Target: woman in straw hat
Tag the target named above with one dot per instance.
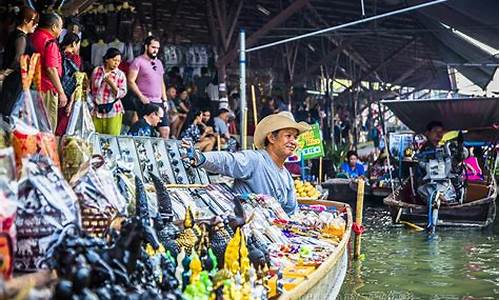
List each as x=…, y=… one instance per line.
x=261, y=171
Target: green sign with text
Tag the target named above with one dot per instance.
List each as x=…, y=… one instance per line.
x=311, y=144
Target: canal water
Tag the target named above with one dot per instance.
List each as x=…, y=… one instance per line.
x=403, y=264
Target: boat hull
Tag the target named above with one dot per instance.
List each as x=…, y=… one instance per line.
x=326, y=281
x=478, y=209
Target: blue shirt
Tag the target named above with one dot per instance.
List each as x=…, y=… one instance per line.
x=142, y=128
x=220, y=126
x=255, y=172
x=359, y=170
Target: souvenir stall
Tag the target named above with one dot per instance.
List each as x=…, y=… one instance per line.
x=101, y=217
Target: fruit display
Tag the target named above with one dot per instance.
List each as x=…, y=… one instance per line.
x=305, y=189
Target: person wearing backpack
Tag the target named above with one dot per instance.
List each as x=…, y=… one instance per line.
x=71, y=63
x=108, y=87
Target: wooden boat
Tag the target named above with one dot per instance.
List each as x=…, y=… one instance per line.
x=325, y=282
x=478, y=117
x=339, y=189
x=478, y=209
x=345, y=190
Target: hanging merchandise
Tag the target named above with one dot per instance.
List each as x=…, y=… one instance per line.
x=79, y=138
x=46, y=204
x=8, y=206
x=98, y=196
x=32, y=132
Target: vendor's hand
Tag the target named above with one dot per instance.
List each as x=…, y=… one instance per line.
x=63, y=100
x=192, y=155
x=144, y=99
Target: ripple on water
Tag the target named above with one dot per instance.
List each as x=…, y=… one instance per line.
x=403, y=264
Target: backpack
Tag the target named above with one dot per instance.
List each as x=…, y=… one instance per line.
x=68, y=79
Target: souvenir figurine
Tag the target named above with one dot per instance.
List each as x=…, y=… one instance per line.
x=256, y=256
x=165, y=213
x=187, y=238
x=219, y=237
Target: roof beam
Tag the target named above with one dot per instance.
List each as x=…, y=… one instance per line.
x=351, y=53
x=381, y=64
x=271, y=24
x=326, y=59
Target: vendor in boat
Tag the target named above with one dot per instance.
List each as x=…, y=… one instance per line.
x=433, y=174
x=352, y=168
x=260, y=171
x=434, y=134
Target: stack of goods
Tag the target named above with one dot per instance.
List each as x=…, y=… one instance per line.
x=295, y=245
x=305, y=189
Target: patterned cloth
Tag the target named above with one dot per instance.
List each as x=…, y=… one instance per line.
x=142, y=128
x=193, y=132
x=103, y=94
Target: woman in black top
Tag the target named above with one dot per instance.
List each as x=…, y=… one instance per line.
x=17, y=45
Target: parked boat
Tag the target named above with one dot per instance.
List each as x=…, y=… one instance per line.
x=326, y=281
x=474, y=117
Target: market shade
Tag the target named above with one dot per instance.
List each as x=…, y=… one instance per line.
x=455, y=114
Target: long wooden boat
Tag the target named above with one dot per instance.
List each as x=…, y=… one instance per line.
x=477, y=210
x=345, y=190
x=478, y=117
x=339, y=189
x=326, y=281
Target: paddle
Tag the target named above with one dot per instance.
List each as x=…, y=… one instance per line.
x=406, y=223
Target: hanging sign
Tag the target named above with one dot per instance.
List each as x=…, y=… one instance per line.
x=311, y=144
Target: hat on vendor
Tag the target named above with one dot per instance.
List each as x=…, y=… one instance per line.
x=275, y=122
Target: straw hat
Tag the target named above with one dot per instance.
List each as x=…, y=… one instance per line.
x=275, y=122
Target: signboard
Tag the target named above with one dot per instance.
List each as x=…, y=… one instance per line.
x=398, y=142
x=311, y=143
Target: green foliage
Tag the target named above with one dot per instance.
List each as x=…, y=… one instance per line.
x=336, y=153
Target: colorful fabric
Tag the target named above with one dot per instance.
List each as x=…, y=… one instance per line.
x=111, y=126
x=45, y=43
x=103, y=94
x=149, y=77
x=473, y=171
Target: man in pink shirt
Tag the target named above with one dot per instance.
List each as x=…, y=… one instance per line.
x=44, y=41
x=145, y=80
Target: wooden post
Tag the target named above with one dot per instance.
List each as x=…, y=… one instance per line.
x=320, y=175
x=254, y=106
x=359, y=216
x=244, y=130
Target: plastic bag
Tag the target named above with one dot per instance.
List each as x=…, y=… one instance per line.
x=46, y=204
x=8, y=206
x=80, y=134
x=32, y=133
x=98, y=195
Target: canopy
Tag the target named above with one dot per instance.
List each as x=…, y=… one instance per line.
x=455, y=114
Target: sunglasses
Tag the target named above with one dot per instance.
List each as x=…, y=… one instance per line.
x=153, y=64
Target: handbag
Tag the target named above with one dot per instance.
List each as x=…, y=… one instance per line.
x=106, y=108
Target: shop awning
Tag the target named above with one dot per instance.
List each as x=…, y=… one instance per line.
x=455, y=114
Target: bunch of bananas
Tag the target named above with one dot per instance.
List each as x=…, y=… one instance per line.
x=306, y=189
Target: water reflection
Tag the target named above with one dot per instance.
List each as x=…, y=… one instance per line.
x=404, y=264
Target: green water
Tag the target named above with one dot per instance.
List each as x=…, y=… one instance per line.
x=403, y=264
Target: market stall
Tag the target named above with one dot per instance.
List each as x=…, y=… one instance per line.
x=101, y=217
